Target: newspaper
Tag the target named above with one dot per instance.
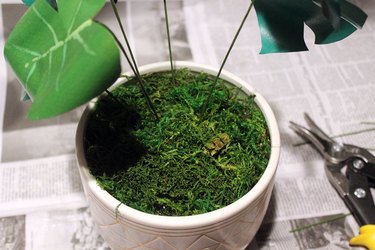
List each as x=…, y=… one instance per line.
x=42, y=205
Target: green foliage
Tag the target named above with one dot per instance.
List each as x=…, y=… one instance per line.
x=281, y=22
x=167, y=168
x=62, y=57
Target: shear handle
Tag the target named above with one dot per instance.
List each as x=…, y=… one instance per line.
x=354, y=191
x=369, y=171
x=360, y=197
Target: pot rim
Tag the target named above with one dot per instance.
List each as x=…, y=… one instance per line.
x=213, y=218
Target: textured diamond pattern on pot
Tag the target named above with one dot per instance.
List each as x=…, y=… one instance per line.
x=234, y=235
x=181, y=244
x=110, y=234
x=160, y=243
x=141, y=238
x=225, y=247
x=223, y=233
x=144, y=248
x=231, y=237
x=243, y=238
x=214, y=247
x=102, y=216
x=204, y=242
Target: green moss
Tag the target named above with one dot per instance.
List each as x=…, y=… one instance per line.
x=180, y=165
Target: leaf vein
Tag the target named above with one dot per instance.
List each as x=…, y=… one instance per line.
x=49, y=66
x=74, y=18
x=47, y=24
x=59, y=44
x=84, y=45
x=26, y=50
x=61, y=66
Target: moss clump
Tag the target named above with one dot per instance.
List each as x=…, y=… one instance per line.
x=179, y=165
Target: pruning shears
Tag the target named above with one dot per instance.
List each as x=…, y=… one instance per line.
x=351, y=171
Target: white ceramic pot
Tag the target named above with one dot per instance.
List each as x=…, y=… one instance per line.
x=231, y=227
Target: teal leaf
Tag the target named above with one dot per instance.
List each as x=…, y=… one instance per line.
x=62, y=58
x=30, y=2
x=281, y=22
x=331, y=10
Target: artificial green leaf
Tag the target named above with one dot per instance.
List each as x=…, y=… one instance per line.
x=281, y=22
x=62, y=57
x=24, y=95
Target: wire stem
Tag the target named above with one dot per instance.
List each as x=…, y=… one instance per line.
x=204, y=109
x=109, y=93
x=133, y=63
x=339, y=136
x=319, y=223
x=169, y=41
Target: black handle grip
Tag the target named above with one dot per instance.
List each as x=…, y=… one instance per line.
x=359, y=199
x=369, y=171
